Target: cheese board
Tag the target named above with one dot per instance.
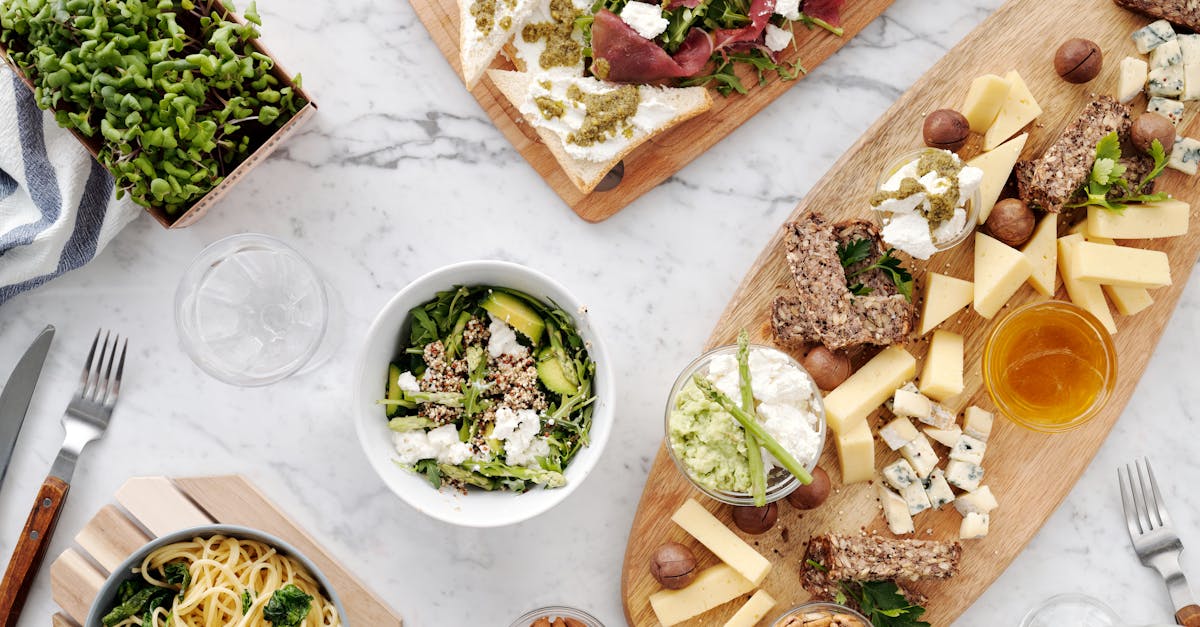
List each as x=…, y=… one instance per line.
x=660, y=158
x=150, y=507
x=1030, y=472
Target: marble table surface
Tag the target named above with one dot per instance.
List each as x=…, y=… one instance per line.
x=400, y=173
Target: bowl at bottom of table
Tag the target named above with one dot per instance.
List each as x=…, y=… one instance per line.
x=386, y=336
x=106, y=599
x=545, y=617
x=819, y=611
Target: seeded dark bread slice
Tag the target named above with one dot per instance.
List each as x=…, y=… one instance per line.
x=687, y=102
x=822, y=309
x=1180, y=12
x=875, y=558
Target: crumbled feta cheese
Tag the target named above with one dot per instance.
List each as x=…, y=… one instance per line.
x=969, y=179
x=777, y=38
x=519, y=430
x=910, y=232
x=441, y=444
x=647, y=19
x=788, y=8
x=908, y=204
x=503, y=339
x=407, y=382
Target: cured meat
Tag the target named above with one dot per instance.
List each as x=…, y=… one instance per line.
x=828, y=11
x=624, y=56
x=675, y=4
x=760, y=14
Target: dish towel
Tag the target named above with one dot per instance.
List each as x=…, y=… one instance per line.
x=57, y=209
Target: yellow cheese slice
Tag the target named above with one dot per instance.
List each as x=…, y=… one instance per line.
x=725, y=544
x=1118, y=265
x=713, y=587
x=997, y=165
x=942, y=376
x=984, y=99
x=999, y=272
x=856, y=452
x=1167, y=218
x=868, y=388
x=944, y=296
x=1042, y=252
x=1129, y=300
x=753, y=611
x=1019, y=109
x=1083, y=293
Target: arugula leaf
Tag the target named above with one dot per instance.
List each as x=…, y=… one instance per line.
x=429, y=468
x=725, y=74
x=288, y=607
x=882, y=602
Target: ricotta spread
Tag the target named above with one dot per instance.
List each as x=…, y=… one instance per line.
x=646, y=19
x=922, y=210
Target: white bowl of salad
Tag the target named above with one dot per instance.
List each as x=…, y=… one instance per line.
x=483, y=395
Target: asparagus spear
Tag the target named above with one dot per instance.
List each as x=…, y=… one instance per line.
x=752, y=426
x=758, y=477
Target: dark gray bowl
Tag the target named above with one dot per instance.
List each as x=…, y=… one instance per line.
x=108, y=592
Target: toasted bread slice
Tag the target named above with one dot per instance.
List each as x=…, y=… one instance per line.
x=477, y=49
x=526, y=55
x=675, y=105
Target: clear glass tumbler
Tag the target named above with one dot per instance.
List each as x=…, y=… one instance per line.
x=251, y=311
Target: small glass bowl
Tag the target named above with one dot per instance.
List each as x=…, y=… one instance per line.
x=1071, y=609
x=780, y=482
x=817, y=606
x=1026, y=416
x=557, y=611
x=971, y=206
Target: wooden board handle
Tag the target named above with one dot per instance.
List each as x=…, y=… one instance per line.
x=31, y=548
x=1188, y=615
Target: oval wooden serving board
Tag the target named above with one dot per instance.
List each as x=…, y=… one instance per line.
x=1030, y=473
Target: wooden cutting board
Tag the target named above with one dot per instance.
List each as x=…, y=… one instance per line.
x=154, y=506
x=663, y=156
x=1030, y=473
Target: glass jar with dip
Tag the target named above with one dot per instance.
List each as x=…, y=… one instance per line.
x=1049, y=366
x=904, y=199
x=821, y=614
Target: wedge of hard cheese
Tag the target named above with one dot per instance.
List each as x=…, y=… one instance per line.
x=725, y=544
x=713, y=587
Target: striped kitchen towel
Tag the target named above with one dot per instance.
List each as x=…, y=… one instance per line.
x=57, y=209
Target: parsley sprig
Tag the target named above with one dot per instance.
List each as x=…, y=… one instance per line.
x=882, y=602
x=858, y=251
x=1108, y=173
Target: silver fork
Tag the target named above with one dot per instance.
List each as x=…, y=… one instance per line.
x=1154, y=539
x=85, y=420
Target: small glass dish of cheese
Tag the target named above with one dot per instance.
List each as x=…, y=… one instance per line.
x=927, y=201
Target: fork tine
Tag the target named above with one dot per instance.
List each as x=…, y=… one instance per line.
x=87, y=367
x=1160, y=504
x=1143, y=499
x=106, y=382
x=1131, y=518
x=94, y=383
x=116, y=383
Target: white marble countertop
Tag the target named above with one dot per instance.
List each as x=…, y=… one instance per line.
x=401, y=173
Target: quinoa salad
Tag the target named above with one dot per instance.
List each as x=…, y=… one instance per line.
x=492, y=389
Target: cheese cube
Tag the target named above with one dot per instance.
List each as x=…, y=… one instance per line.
x=753, y=611
x=968, y=449
x=1190, y=46
x=941, y=417
x=997, y=165
x=895, y=511
x=1042, y=252
x=1167, y=54
x=1167, y=218
x=1018, y=110
x=911, y=404
x=1185, y=156
x=920, y=456
x=964, y=475
x=914, y=496
x=944, y=296
x=898, y=432
x=938, y=490
x=977, y=423
x=974, y=526
x=1153, y=36
x=945, y=437
x=868, y=388
x=856, y=452
x=1132, y=79
x=1086, y=294
x=985, y=96
x=900, y=474
x=1171, y=109
x=1165, y=82
x=999, y=272
x=725, y=544
x=712, y=587
x=1119, y=265
x=980, y=501
x=942, y=376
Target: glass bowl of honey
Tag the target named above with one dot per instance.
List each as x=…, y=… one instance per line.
x=1049, y=366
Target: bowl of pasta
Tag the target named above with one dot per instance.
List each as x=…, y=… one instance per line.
x=217, y=575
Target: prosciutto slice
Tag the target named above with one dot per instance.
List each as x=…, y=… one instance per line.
x=760, y=14
x=828, y=10
x=632, y=58
x=675, y=4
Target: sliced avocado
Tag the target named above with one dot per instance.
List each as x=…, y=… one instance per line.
x=550, y=371
x=393, y=389
x=516, y=313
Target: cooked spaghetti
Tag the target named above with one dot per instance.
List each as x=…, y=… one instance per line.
x=218, y=582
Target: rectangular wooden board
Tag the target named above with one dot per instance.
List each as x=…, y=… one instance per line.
x=159, y=506
x=664, y=155
x=1029, y=472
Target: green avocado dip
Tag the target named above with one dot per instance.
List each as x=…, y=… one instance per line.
x=709, y=442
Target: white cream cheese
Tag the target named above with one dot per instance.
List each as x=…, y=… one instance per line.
x=646, y=19
x=777, y=38
x=904, y=225
x=530, y=53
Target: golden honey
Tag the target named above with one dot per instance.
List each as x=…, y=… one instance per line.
x=1049, y=366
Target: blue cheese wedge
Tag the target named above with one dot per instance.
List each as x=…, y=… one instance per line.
x=968, y=449
x=1132, y=79
x=946, y=437
x=1171, y=109
x=941, y=417
x=980, y=501
x=1166, y=55
x=1153, y=35
x=1185, y=156
x=895, y=511
x=920, y=456
x=900, y=474
x=1165, y=82
x=938, y=490
x=964, y=475
x=914, y=496
x=977, y=423
x=898, y=432
x=1190, y=47
x=973, y=527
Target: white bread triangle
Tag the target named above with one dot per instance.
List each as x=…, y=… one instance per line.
x=687, y=102
x=475, y=55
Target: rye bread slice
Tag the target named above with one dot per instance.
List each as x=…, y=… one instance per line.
x=1179, y=12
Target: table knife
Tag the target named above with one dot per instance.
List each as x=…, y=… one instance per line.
x=14, y=400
